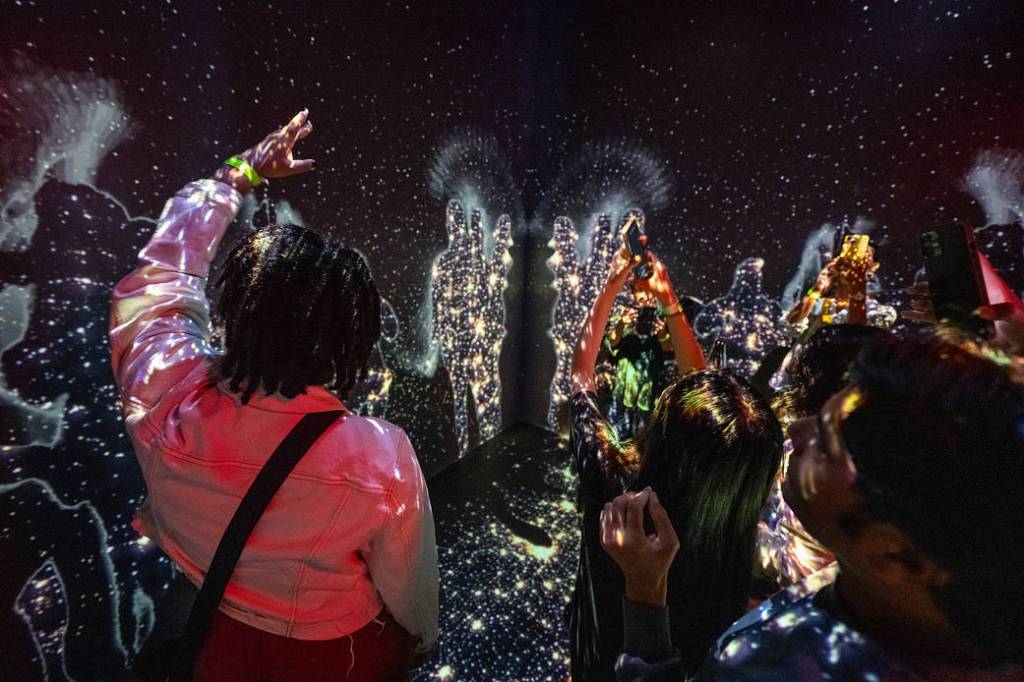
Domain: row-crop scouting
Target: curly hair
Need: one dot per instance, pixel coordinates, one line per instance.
(297, 311)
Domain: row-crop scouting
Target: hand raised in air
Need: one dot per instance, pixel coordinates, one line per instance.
(273, 156)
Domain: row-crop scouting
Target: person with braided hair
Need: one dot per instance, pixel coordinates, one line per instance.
(340, 575)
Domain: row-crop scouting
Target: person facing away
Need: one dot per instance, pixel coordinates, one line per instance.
(711, 447)
(912, 476)
(339, 579)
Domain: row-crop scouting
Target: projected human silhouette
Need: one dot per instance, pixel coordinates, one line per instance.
(468, 323)
(745, 318)
(577, 284)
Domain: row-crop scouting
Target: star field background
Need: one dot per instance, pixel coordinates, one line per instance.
(758, 125)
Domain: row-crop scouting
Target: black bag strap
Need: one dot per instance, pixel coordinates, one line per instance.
(250, 509)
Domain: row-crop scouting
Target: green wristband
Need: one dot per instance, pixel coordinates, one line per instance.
(245, 167)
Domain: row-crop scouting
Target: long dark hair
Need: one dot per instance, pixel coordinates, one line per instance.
(297, 311)
(710, 451)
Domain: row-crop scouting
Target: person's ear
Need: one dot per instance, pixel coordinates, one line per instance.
(893, 559)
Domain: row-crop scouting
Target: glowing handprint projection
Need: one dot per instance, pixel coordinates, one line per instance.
(488, 337)
(468, 311)
(577, 285)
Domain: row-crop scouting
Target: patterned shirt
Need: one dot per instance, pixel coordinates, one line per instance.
(795, 636)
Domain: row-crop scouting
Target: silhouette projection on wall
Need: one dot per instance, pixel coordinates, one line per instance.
(483, 159)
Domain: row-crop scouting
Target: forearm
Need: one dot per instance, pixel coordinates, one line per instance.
(585, 356)
(159, 309)
(191, 227)
(689, 356)
(857, 313)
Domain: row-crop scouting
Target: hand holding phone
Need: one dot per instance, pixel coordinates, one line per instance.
(955, 277)
(636, 243)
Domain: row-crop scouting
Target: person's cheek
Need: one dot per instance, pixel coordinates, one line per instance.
(791, 482)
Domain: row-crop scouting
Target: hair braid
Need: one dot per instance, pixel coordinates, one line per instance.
(297, 311)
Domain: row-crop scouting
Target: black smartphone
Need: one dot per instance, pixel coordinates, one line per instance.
(636, 243)
(955, 276)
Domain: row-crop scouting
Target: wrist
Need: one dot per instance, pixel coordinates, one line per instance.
(233, 178)
(667, 298)
(238, 178)
(669, 306)
(648, 591)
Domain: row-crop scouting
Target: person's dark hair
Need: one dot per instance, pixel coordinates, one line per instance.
(819, 370)
(297, 311)
(939, 448)
(710, 450)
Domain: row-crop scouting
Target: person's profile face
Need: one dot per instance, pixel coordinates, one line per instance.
(820, 483)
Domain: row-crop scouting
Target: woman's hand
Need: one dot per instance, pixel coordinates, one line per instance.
(621, 267)
(644, 559)
(273, 156)
(658, 284)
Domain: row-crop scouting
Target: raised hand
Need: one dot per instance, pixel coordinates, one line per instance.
(658, 284)
(826, 277)
(273, 156)
(644, 559)
(620, 267)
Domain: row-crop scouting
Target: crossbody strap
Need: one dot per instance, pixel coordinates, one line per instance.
(250, 509)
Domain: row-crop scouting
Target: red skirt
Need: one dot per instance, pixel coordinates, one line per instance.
(380, 652)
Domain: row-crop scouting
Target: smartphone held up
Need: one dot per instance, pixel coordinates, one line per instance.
(955, 276)
(636, 244)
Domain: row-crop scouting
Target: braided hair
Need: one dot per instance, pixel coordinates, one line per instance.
(297, 311)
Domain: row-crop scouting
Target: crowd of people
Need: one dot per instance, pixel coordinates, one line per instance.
(855, 518)
(852, 518)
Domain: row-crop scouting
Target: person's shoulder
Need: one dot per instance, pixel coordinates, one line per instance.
(389, 438)
(371, 452)
(384, 434)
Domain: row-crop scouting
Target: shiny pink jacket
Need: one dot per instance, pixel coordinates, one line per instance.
(351, 529)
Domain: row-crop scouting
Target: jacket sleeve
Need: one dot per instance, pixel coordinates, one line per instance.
(597, 454)
(647, 652)
(160, 318)
(402, 556)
